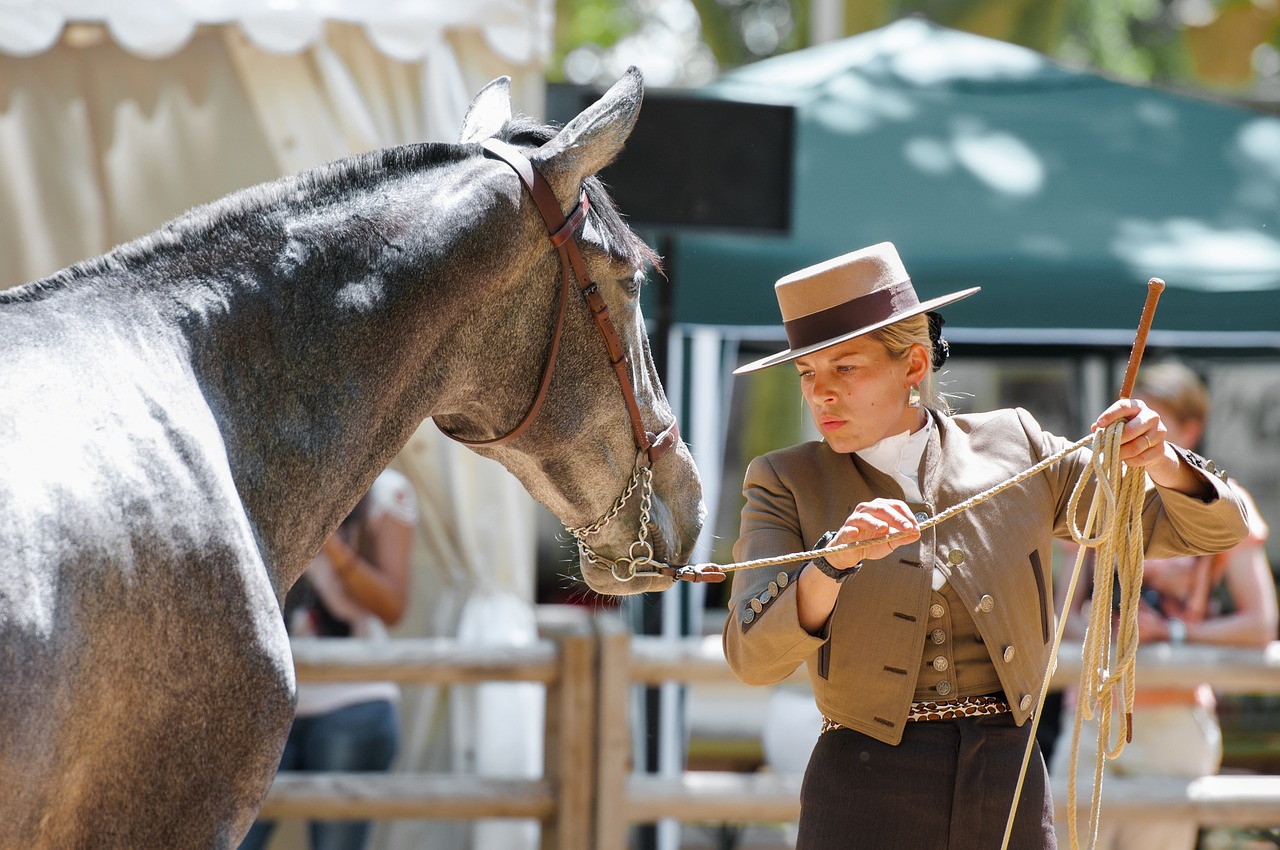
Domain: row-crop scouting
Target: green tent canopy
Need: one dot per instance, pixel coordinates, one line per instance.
(1059, 192)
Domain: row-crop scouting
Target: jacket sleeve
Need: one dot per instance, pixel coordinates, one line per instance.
(763, 640)
(1177, 524)
(1173, 523)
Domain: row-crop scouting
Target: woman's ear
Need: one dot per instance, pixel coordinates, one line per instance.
(917, 365)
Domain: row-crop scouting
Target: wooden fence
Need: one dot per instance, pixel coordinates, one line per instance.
(589, 796)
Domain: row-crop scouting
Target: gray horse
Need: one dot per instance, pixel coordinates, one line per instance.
(186, 418)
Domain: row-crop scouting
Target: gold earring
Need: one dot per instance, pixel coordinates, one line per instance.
(913, 397)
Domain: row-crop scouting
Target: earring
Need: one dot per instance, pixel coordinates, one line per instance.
(913, 397)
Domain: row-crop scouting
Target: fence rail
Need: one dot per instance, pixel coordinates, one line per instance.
(588, 796)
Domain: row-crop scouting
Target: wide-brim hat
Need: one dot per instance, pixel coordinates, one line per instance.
(845, 297)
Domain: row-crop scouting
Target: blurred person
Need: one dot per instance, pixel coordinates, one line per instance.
(356, 586)
(925, 653)
(1227, 599)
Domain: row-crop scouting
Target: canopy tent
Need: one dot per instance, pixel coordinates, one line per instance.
(1058, 191)
(117, 115)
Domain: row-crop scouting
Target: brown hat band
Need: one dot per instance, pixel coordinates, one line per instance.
(847, 317)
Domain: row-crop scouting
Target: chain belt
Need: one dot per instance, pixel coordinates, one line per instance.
(949, 710)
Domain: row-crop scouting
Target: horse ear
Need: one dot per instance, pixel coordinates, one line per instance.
(489, 110)
(591, 141)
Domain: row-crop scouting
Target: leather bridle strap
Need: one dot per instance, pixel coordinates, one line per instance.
(561, 232)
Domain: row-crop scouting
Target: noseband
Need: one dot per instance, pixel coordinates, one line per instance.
(649, 446)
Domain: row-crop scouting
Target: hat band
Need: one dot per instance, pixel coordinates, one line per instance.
(845, 318)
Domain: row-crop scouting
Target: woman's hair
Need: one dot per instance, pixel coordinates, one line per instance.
(1176, 387)
(898, 339)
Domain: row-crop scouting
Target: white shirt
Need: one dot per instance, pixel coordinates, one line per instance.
(898, 456)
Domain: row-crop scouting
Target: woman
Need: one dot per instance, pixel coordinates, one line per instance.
(925, 654)
(1228, 599)
(356, 586)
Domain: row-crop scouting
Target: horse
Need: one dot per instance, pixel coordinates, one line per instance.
(185, 419)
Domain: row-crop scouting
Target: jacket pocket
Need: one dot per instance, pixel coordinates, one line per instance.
(1045, 603)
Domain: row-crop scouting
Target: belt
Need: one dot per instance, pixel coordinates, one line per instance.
(949, 710)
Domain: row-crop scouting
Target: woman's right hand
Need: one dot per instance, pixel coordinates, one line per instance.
(870, 520)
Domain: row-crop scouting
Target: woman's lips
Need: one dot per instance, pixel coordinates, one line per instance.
(831, 424)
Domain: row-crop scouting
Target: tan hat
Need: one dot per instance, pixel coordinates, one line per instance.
(843, 298)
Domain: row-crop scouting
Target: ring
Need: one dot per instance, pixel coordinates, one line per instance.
(1147, 437)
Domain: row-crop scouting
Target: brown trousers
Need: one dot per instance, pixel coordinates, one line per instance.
(948, 786)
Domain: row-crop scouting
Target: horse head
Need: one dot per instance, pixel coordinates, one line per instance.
(596, 442)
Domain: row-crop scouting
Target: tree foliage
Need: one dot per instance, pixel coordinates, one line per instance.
(1230, 46)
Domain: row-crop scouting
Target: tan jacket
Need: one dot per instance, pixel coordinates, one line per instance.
(997, 557)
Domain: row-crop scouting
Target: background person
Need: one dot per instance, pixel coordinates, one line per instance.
(356, 586)
(926, 656)
(1228, 599)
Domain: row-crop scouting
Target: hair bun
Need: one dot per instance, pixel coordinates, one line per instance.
(941, 350)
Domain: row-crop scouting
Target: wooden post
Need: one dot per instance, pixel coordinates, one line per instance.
(613, 733)
(570, 739)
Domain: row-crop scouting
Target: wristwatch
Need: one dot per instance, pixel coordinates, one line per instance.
(826, 567)
(1177, 631)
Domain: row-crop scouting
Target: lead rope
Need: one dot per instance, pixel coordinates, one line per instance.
(1122, 545)
(1118, 518)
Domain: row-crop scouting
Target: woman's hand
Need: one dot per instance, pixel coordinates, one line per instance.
(870, 520)
(1143, 446)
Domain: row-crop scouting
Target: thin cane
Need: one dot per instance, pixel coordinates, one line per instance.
(1155, 286)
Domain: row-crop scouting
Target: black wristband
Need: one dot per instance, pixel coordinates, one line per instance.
(825, 567)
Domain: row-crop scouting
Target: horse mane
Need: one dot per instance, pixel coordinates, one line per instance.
(243, 211)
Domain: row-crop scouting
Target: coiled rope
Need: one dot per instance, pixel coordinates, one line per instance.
(1104, 672)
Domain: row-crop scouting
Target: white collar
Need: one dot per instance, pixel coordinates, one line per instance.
(898, 456)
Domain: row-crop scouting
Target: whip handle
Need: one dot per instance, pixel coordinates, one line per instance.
(1154, 287)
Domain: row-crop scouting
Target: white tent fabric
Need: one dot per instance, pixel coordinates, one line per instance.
(117, 115)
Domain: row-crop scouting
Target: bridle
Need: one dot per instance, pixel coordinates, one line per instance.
(649, 446)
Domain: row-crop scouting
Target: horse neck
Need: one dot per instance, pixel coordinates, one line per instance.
(312, 400)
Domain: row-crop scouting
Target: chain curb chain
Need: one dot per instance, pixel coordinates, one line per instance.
(640, 553)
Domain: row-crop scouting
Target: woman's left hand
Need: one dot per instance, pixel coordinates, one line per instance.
(1142, 442)
(1143, 446)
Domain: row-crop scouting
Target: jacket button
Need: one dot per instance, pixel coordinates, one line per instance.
(773, 588)
(956, 557)
(921, 516)
(783, 579)
(940, 664)
(938, 636)
(1008, 654)
(765, 597)
(986, 604)
(936, 611)
(1025, 702)
(943, 687)
(748, 616)
(756, 606)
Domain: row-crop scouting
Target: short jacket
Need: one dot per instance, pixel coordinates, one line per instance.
(996, 555)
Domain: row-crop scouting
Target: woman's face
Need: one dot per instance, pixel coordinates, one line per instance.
(857, 394)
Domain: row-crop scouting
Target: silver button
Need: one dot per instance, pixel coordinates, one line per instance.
(936, 610)
(940, 664)
(1008, 654)
(783, 579)
(921, 516)
(943, 687)
(938, 636)
(956, 557)
(773, 588)
(1025, 702)
(765, 597)
(748, 616)
(756, 606)
(986, 604)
